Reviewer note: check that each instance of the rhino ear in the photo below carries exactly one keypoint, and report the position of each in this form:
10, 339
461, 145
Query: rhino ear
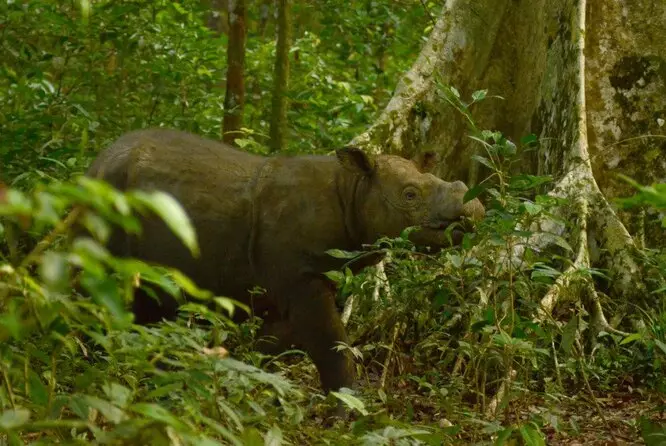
426, 161
356, 159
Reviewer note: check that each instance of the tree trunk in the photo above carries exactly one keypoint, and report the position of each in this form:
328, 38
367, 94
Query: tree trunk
626, 95
217, 18
264, 16
278, 128
532, 53
234, 98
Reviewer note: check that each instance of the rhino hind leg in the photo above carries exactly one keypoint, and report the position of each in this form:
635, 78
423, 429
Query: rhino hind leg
276, 337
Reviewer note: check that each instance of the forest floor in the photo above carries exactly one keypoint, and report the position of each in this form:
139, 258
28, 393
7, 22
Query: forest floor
611, 418
616, 422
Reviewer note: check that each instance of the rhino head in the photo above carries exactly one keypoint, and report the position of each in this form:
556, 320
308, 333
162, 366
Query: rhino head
394, 193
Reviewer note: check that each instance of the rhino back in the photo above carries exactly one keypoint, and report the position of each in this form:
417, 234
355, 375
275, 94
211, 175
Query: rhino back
212, 181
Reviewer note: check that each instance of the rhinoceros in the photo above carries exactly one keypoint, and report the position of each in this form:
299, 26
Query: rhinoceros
269, 222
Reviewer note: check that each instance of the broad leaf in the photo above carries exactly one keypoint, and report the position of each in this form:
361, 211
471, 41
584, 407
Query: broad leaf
14, 418
351, 401
173, 215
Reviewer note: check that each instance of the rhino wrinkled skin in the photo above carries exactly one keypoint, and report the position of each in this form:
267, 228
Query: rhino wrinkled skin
267, 221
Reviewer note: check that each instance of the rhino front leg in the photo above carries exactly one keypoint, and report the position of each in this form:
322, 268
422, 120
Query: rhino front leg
276, 337
316, 326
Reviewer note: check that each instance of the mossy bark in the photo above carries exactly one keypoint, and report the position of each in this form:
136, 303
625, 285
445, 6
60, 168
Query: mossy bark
626, 97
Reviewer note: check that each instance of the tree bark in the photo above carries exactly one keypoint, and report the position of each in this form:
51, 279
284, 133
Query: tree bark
278, 126
234, 98
626, 96
264, 16
533, 54
217, 18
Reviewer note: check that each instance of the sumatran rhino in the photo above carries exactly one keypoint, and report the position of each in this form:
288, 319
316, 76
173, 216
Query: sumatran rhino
268, 222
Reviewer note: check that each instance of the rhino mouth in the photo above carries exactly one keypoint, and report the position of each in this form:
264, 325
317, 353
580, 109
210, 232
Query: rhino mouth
460, 226
439, 225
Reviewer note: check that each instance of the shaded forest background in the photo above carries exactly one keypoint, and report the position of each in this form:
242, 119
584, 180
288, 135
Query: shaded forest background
71, 84
450, 348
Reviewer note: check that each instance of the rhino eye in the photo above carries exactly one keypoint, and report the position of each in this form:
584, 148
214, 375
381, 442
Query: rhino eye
410, 194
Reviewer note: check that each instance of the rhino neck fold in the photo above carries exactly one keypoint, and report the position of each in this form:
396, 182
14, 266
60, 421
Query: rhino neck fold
348, 190
256, 186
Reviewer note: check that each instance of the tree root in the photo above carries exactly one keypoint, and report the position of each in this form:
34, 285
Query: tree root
381, 283
493, 405
389, 355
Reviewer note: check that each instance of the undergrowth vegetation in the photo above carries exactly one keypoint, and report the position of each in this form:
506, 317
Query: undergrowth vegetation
449, 346
462, 329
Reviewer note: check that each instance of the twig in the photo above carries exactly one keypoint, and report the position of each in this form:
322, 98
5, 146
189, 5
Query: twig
491, 410
558, 376
427, 11
8, 385
47, 241
389, 356
347, 310
589, 389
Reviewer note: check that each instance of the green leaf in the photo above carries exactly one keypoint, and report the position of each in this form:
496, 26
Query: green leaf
531, 208
88, 247
455, 259
661, 345
159, 413
97, 226
273, 437
173, 215
351, 401
14, 418
557, 240
503, 436
226, 303
164, 390
336, 276
562, 243
118, 394
631, 338
524, 182
541, 270
485, 161
108, 410
479, 95
54, 270
508, 148
339, 254
252, 437
106, 293
39, 393
653, 434
474, 192
528, 139
531, 436
188, 285
569, 334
